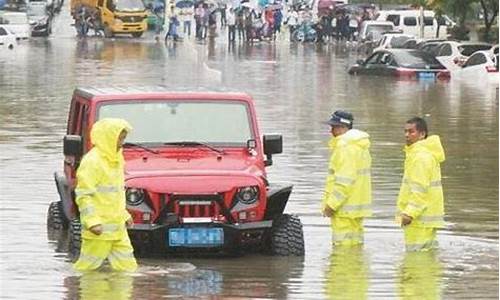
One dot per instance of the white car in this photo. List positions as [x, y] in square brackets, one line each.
[453, 54]
[7, 38]
[393, 40]
[16, 22]
[373, 30]
[481, 66]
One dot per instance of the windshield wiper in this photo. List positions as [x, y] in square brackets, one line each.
[127, 144]
[193, 143]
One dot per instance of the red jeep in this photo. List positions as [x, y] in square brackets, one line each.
[195, 172]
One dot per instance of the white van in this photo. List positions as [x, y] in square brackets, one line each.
[408, 21]
[16, 22]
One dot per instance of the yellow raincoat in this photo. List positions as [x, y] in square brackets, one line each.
[100, 197]
[348, 185]
[421, 193]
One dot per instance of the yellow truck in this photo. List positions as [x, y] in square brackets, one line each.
[115, 16]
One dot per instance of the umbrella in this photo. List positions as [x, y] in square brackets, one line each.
[184, 3]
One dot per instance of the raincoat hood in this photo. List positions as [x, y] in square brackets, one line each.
[104, 136]
[352, 136]
[431, 144]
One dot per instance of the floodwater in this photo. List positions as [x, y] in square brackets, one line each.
[295, 88]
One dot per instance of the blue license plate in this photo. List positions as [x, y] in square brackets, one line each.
[195, 237]
[426, 75]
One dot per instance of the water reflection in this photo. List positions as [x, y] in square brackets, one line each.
[100, 285]
[348, 273]
[420, 276]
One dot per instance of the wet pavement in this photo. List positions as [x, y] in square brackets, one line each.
[295, 87]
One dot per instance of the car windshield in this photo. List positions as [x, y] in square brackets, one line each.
[378, 29]
[467, 50]
[417, 60]
[129, 5]
[398, 41]
[154, 122]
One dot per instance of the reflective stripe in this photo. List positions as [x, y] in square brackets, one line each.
[356, 207]
[416, 188]
[338, 195]
[345, 180]
[415, 206]
[425, 246]
[366, 171]
[111, 227]
[436, 183]
[83, 192]
[91, 259]
[116, 255]
[429, 219]
[87, 211]
[107, 189]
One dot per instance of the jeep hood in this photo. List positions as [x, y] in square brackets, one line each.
[189, 175]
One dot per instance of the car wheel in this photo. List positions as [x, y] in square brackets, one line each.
[55, 220]
[11, 46]
[75, 239]
[287, 236]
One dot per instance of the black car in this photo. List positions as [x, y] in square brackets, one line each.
[40, 18]
[407, 63]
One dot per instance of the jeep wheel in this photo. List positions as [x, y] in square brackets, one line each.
[137, 34]
[75, 239]
[108, 33]
[55, 218]
[287, 237]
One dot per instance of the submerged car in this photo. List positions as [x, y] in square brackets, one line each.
[407, 63]
[482, 65]
[453, 54]
[16, 22]
[195, 172]
[7, 38]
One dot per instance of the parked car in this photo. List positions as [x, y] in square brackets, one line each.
[406, 63]
[429, 45]
[408, 21]
[195, 172]
[16, 22]
[480, 66]
[452, 54]
[7, 38]
[40, 19]
[392, 40]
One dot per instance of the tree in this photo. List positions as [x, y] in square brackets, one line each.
[490, 12]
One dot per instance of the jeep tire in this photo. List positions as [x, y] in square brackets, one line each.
[55, 218]
[75, 238]
[287, 236]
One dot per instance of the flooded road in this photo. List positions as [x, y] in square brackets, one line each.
[295, 87]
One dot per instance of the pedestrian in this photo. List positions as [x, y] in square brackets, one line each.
[100, 197]
[231, 25]
[186, 15]
[420, 200]
[347, 199]
[223, 19]
[173, 23]
[292, 22]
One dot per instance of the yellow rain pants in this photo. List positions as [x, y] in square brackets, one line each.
[347, 231]
[420, 238]
[119, 254]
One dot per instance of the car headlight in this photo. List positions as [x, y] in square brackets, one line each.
[134, 196]
[247, 194]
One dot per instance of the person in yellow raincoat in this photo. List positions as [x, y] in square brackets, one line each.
[420, 201]
[100, 197]
[347, 198]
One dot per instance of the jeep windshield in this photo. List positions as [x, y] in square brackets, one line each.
[129, 5]
[157, 122]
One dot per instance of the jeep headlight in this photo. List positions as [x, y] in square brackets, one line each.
[134, 196]
[248, 194]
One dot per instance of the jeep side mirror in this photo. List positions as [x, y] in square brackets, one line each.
[360, 62]
[72, 145]
[273, 144]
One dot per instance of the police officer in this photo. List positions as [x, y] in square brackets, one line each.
[347, 198]
[420, 200]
